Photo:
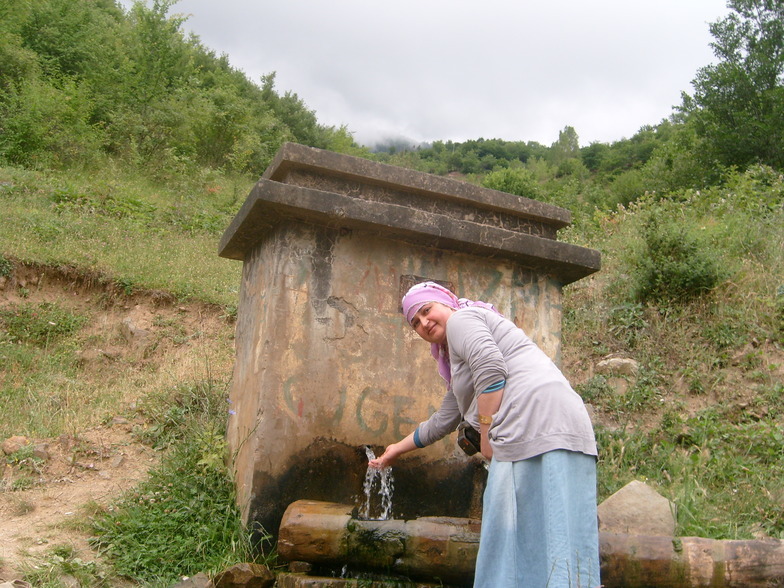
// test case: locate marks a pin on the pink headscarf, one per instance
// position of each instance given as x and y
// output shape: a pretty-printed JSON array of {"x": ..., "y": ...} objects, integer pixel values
[{"x": 419, "y": 295}]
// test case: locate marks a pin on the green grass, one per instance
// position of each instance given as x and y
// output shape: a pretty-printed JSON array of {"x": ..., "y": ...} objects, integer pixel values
[
  {"x": 183, "y": 520},
  {"x": 160, "y": 238},
  {"x": 723, "y": 473},
  {"x": 59, "y": 562},
  {"x": 701, "y": 422},
  {"x": 39, "y": 385}
]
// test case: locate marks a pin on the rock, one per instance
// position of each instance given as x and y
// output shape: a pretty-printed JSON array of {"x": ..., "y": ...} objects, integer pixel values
[
  {"x": 69, "y": 581},
  {"x": 200, "y": 580},
  {"x": 300, "y": 567},
  {"x": 132, "y": 332},
  {"x": 637, "y": 509},
  {"x": 16, "y": 584},
  {"x": 248, "y": 575},
  {"x": 618, "y": 366},
  {"x": 110, "y": 353},
  {"x": 14, "y": 444},
  {"x": 41, "y": 451}
]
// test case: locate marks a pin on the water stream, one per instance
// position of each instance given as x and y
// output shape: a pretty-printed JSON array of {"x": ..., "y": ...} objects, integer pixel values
[{"x": 385, "y": 487}]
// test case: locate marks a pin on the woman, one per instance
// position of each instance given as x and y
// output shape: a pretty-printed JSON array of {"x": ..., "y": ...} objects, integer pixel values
[{"x": 539, "y": 524}]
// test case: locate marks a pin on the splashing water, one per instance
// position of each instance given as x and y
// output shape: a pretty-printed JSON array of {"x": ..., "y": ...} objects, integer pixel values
[{"x": 386, "y": 487}]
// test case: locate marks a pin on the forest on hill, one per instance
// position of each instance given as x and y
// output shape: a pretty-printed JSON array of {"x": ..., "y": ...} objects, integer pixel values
[
  {"x": 127, "y": 146},
  {"x": 83, "y": 81}
]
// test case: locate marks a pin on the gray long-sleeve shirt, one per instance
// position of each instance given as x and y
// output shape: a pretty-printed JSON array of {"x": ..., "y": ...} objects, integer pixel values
[{"x": 539, "y": 411}]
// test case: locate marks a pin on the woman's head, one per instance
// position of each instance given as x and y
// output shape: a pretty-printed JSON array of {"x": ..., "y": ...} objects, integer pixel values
[
  {"x": 420, "y": 294},
  {"x": 426, "y": 298},
  {"x": 427, "y": 307}
]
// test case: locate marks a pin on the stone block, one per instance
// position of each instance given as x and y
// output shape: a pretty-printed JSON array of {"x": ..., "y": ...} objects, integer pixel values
[{"x": 637, "y": 509}]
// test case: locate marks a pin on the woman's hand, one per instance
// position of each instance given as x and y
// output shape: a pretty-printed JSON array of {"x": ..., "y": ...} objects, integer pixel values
[
  {"x": 394, "y": 451},
  {"x": 387, "y": 458}
]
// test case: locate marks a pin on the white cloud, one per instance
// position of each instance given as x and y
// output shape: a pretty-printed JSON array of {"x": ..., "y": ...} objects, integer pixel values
[{"x": 461, "y": 69}]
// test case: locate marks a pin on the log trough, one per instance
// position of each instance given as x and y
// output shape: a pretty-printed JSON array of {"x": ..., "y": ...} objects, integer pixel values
[{"x": 444, "y": 549}]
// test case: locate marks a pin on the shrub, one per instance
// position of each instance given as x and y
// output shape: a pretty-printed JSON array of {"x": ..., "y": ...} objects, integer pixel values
[
  {"x": 674, "y": 264},
  {"x": 519, "y": 181},
  {"x": 6, "y": 267}
]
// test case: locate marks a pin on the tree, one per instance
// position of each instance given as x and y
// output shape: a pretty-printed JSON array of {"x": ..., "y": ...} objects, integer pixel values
[
  {"x": 566, "y": 147},
  {"x": 517, "y": 181},
  {"x": 738, "y": 103}
]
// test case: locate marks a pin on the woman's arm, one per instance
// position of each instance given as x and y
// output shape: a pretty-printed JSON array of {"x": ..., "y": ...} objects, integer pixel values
[
  {"x": 471, "y": 340},
  {"x": 439, "y": 425},
  {"x": 487, "y": 405}
]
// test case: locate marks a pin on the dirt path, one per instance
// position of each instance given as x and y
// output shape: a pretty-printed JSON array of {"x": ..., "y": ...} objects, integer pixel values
[{"x": 80, "y": 475}]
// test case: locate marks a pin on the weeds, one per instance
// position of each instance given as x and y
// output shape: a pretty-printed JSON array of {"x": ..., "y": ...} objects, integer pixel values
[
  {"x": 6, "y": 267},
  {"x": 39, "y": 324},
  {"x": 143, "y": 236},
  {"x": 675, "y": 264},
  {"x": 173, "y": 415},
  {"x": 716, "y": 472},
  {"x": 627, "y": 323},
  {"x": 60, "y": 566},
  {"x": 183, "y": 519},
  {"x": 696, "y": 298}
]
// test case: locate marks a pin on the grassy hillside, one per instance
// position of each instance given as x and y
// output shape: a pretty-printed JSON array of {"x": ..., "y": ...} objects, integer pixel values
[{"x": 692, "y": 289}]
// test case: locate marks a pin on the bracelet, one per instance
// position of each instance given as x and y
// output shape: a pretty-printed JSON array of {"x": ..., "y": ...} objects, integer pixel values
[{"x": 485, "y": 420}]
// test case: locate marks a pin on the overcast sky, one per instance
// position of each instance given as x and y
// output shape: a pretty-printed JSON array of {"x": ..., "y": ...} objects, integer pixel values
[{"x": 519, "y": 70}]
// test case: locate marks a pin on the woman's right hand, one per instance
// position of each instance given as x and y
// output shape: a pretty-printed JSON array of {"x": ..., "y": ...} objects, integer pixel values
[
  {"x": 386, "y": 459},
  {"x": 394, "y": 451}
]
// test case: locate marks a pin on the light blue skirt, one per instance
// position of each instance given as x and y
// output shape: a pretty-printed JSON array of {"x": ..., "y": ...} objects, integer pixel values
[{"x": 539, "y": 524}]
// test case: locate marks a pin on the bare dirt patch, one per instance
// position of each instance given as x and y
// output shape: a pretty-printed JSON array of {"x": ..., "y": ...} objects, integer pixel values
[{"x": 78, "y": 475}]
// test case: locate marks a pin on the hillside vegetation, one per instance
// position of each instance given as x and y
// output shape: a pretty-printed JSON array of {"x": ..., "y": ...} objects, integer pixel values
[{"x": 123, "y": 165}]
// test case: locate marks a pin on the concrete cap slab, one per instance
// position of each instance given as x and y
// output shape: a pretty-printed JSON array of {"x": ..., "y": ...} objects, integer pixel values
[{"x": 343, "y": 192}]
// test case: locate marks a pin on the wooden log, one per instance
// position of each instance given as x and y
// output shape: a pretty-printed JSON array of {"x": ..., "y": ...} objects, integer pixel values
[
  {"x": 427, "y": 547},
  {"x": 445, "y": 549},
  {"x": 686, "y": 562}
]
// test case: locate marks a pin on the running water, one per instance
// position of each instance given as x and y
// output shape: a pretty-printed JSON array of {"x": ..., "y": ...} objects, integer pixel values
[{"x": 386, "y": 486}]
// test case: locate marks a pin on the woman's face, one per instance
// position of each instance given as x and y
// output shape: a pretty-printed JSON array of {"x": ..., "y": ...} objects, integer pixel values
[{"x": 430, "y": 322}]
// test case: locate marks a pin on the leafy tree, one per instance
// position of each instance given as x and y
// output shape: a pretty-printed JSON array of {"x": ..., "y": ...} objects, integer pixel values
[
  {"x": 680, "y": 162},
  {"x": 566, "y": 147},
  {"x": 69, "y": 37},
  {"x": 46, "y": 125},
  {"x": 738, "y": 104},
  {"x": 517, "y": 181},
  {"x": 593, "y": 154},
  {"x": 16, "y": 62}
]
